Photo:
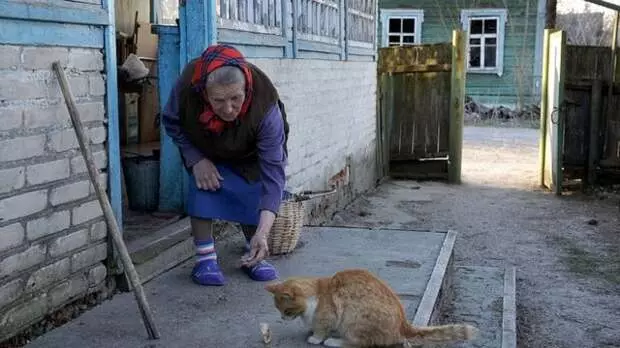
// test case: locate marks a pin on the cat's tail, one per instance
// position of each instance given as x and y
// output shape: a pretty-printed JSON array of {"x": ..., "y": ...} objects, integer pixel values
[{"x": 440, "y": 333}]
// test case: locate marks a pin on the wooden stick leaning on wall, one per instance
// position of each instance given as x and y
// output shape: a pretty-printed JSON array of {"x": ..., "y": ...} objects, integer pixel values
[{"x": 113, "y": 229}]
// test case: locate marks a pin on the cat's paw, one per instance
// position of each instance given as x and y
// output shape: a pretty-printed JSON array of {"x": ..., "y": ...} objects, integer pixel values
[
  {"x": 333, "y": 342},
  {"x": 314, "y": 340}
]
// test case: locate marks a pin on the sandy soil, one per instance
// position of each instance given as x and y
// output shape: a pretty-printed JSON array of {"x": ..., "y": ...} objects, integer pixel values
[{"x": 566, "y": 249}]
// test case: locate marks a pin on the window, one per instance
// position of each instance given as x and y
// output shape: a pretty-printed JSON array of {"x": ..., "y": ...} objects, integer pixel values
[
  {"x": 401, "y": 27},
  {"x": 485, "y": 39}
]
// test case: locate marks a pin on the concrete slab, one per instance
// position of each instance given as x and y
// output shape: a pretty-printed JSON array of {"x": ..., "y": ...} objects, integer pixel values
[
  {"x": 193, "y": 316},
  {"x": 479, "y": 298}
]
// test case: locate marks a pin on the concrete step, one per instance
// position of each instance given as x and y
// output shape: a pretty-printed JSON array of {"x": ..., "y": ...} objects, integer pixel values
[
  {"x": 484, "y": 297},
  {"x": 158, "y": 252},
  {"x": 155, "y": 253}
]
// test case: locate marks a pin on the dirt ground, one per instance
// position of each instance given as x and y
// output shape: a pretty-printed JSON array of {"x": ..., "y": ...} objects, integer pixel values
[{"x": 566, "y": 249}]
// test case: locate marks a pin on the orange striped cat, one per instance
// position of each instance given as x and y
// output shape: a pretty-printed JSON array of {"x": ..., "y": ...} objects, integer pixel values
[{"x": 362, "y": 309}]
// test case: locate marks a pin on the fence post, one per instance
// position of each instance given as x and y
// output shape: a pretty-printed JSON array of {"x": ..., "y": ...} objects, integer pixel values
[
  {"x": 285, "y": 23},
  {"x": 457, "y": 101},
  {"x": 341, "y": 37},
  {"x": 295, "y": 10},
  {"x": 544, "y": 83},
  {"x": 344, "y": 34},
  {"x": 375, "y": 46}
]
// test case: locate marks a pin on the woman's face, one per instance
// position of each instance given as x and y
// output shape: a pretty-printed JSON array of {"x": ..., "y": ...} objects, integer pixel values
[{"x": 226, "y": 100}]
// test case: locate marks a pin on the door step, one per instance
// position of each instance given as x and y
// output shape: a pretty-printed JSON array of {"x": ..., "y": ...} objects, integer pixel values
[
  {"x": 156, "y": 253},
  {"x": 484, "y": 297}
]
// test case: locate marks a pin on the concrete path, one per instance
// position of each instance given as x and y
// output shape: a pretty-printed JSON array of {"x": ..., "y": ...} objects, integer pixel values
[{"x": 189, "y": 315}]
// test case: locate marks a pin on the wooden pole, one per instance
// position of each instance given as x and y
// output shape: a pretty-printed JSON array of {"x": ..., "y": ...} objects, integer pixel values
[
  {"x": 544, "y": 104},
  {"x": 609, "y": 139},
  {"x": 457, "y": 106},
  {"x": 113, "y": 228}
]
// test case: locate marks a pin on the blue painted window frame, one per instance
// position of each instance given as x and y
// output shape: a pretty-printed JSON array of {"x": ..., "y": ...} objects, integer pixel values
[
  {"x": 416, "y": 14},
  {"x": 499, "y": 14}
]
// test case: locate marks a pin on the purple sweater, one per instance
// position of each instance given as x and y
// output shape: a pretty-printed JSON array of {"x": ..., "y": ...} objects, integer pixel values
[{"x": 270, "y": 143}]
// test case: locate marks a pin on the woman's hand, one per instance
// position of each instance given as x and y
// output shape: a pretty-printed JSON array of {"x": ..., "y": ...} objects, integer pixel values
[
  {"x": 259, "y": 249},
  {"x": 206, "y": 175}
]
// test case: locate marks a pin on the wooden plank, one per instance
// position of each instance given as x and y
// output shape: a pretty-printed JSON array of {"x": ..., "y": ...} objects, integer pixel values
[
  {"x": 560, "y": 66},
  {"x": 594, "y": 133},
  {"x": 46, "y": 12},
  {"x": 388, "y": 119},
  {"x": 440, "y": 101},
  {"x": 408, "y": 117},
  {"x": 576, "y": 118},
  {"x": 398, "y": 119},
  {"x": 542, "y": 143},
  {"x": 611, "y": 134},
  {"x": 416, "y": 68},
  {"x": 29, "y": 33},
  {"x": 457, "y": 106},
  {"x": 436, "y": 54},
  {"x": 419, "y": 170},
  {"x": 422, "y": 111}
]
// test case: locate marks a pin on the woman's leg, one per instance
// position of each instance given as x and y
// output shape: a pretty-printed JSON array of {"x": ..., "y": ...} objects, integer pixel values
[
  {"x": 262, "y": 271},
  {"x": 206, "y": 270}
]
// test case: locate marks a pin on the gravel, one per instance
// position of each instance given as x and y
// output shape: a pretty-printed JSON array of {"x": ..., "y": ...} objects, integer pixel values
[{"x": 566, "y": 249}]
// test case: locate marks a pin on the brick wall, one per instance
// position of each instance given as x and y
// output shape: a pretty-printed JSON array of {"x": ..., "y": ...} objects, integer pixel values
[
  {"x": 331, "y": 106},
  {"x": 52, "y": 234}
]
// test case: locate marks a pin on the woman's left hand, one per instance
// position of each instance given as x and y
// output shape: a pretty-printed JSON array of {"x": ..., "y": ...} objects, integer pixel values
[{"x": 258, "y": 249}]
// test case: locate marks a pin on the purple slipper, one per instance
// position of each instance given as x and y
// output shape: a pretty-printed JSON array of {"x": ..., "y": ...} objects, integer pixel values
[
  {"x": 263, "y": 271},
  {"x": 208, "y": 273}
]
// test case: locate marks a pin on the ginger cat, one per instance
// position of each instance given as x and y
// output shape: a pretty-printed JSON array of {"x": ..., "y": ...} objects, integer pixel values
[{"x": 362, "y": 309}]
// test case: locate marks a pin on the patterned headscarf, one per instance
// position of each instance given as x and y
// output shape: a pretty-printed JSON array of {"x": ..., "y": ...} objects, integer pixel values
[{"x": 214, "y": 57}]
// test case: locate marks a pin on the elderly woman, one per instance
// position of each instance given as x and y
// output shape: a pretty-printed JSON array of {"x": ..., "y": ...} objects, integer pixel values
[{"x": 226, "y": 117}]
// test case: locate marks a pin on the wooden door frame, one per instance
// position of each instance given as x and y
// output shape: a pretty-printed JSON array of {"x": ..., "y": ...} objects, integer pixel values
[
  {"x": 556, "y": 183},
  {"x": 456, "y": 120}
]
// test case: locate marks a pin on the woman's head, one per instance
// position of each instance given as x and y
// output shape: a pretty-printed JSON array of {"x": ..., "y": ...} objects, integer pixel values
[
  {"x": 222, "y": 76},
  {"x": 225, "y": 91}
]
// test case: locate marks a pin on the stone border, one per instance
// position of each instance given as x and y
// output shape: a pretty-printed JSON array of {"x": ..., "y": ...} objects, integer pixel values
[
  {"x": 509, "y": 315},
  {"x": 431, "y": 293}
]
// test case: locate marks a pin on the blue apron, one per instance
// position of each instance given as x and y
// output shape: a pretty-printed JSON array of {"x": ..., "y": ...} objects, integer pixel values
[{"x": 235, "y": 201}]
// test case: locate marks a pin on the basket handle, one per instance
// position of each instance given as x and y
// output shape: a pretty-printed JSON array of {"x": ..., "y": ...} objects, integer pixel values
[{"x": 315, "y": 194}]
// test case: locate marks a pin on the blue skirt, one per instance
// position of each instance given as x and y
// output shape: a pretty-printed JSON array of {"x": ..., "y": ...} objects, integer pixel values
[{"x": 235, "y": 201}]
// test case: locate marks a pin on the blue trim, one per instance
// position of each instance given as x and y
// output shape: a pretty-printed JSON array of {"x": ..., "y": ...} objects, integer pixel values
[
  {"x": 164, "y": 29},
  {"x": 304, "y": 45},
  {"x": 211, "y": 20},
  {"x": 386, "y": 14},
  {"x": 198, "y": 29},
  {"x": 295, "y": 12},
  {"x": 538, "y": 46},
  {"x": 46, "y": 12},
  {"x": 29, "y": 33},
  {"x": 238, "y": 37},
  {"x": 171, "y": 167},
  {"x": 114, "y": 151}
]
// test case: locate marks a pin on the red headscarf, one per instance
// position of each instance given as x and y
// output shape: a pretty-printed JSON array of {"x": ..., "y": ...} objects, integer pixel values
[{"x": 214, "y": 57}]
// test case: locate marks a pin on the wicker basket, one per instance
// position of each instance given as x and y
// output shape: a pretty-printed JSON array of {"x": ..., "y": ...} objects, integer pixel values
[{"x": 287, "y": 225}]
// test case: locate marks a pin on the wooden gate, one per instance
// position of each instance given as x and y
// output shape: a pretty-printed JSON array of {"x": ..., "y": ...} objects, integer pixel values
[
  {"x": 421, "y": 105},
  {"x": 553, "y": 111}
]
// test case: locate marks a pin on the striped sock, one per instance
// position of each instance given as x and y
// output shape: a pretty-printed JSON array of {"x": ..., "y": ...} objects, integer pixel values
[{"x": 205, "y": 250}]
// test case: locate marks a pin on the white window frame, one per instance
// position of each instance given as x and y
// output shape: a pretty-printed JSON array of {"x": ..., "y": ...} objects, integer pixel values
[
  {"x": 386, "y": 14},
  {"x": 501, "y": 15}
]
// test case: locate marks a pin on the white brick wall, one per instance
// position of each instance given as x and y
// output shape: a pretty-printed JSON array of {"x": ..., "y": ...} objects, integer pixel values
[
  {"x": 52, "y": 234},
  {"x": 331, "y": 109}
]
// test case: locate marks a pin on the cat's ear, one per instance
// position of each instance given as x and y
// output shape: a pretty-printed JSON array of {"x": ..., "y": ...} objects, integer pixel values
[{"x": 273, "y": 287}]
